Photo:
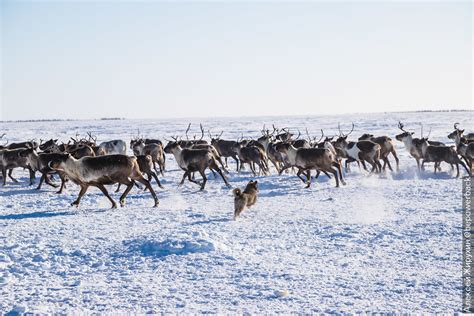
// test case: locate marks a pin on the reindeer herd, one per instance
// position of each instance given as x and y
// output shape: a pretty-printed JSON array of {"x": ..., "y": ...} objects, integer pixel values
[{"x": 86, "y": 163}]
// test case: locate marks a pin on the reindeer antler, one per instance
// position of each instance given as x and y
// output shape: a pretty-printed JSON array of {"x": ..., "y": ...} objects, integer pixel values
[
  {"x": 202, "y": 131},
  {"x": 341, "y": 133},
  {"x": 400, "y": 126},
  {"x": 322, "y": 135},
  {"x": 307, "y": 134},
  {"x": 455, "y": 127},
  {"x": 3, "y": 135},
  {"x": 187, "y": 130}
]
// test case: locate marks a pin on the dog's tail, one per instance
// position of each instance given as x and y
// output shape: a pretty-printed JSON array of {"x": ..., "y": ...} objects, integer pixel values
[{"x": 237, "y": 192}]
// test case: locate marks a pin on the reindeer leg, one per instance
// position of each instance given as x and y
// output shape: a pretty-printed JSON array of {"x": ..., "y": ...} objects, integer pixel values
[
  {"x": 4, "y": 175},
  {"x": 32, "y": 175},
  {"x": 334, "y": 172},
  {"x": 11, "y": 177},
  {"x": 347, "y": 166},
  {"x": 339, "y": 170},
  {"x": 192, "y": 180},
  {"x": 63, "y": 184},
  {"x": 104, "y": 190},
  {"x": 186, "y": 173},
  {"x": 84, "y": 188},
  {"x": 118, "y": 188},
  {"x": 129, "y": 185},
  {"x": 252, "y": 167},
  {"x": 156, "y": 179},
  {"x": 43, "y": 176},
  {"x": 379, "y": 165},
  {"x": 465, "y": 167},
  {"x": 204, "y": 179},
  {"x": 298, "y": 174},
  {"x": 387, "y": 162},
  {"x": 148, "y": 186},
  {"x": 48, "y": 181},
  {"x": 397, "y": 161},
  {"x": 237, "y": 163}
]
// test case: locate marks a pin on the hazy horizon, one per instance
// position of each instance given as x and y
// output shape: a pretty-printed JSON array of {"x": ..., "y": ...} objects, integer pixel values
[{"x": 88, "y": 60}]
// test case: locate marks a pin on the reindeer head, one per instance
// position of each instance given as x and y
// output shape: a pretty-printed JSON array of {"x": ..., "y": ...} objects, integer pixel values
[
  {"x": 457, "y": 133},
  {"x": 405, "y": 135},
  {"x": 366, "y": 136},
  {"x": 48, "y": 144},
  {"x": 172, "y": 146}
]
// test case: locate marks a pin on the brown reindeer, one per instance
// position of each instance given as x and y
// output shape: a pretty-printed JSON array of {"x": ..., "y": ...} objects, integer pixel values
[
  {"x": 251, "y": 155},
  {"x": 101, "y": 171},
  {"x": 15, "y": 158},
  {"x": 363, "y": 150},
  {"x": 307, "y": 159},
  {"x": 193, "y": 160},
  {"x": 438, "y": 154},
  {"x": 386, "y": 147}
]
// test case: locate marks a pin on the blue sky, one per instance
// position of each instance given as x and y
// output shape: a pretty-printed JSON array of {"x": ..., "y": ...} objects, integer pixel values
[{"x": 168, "y": 59}]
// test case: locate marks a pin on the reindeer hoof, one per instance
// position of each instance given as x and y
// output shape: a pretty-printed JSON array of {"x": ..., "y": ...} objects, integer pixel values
[{"x": 122, "y": 204}]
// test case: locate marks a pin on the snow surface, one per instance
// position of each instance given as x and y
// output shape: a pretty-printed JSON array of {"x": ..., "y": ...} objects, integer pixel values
[{"x": 381, "y": 243}]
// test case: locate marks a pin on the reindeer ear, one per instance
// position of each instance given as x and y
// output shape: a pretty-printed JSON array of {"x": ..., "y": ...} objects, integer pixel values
[
  {"x": 56, "y": 140},
  {"x": 412, "y": 133},
  {"x": 462, "y": 131}
]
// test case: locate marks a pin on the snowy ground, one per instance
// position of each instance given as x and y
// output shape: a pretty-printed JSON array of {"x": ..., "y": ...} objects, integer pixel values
[{"x": 381, "y": 243}]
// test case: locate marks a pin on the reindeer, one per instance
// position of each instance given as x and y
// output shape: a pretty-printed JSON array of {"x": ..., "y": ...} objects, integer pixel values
[
  {"x": 192, "y": 160},
  {"x": 364, "y": 150},
  {"x": 155, "y": 150},
  {"x": 307, "y": 159},
  {"x": 117, "y": 146},
  {"x": 464, "y": 146},
  {"x": 28, "y": 144},
  {"x": 386, "y": 147},
  {"x": 437, "y": 154},
  {"x": 40, "y": 162},
  {"x": 100, "y": 171},
  {"x": 224, "y": 148},
  {"x": 15, "y": 158},
  {"x": 412, "y": 145},
  {"x": 251, "y": 155},
  {"x": 269, "y": 144}
]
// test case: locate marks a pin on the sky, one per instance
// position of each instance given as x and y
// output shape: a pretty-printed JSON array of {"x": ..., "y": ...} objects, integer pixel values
[{"x": 87, "y": 59}]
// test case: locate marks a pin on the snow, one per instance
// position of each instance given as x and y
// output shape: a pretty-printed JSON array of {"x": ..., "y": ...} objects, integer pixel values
[{"x": 382, "y": 243}]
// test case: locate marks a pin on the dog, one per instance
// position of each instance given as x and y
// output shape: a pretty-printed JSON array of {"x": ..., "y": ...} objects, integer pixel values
[{"x": 246, "y": 198}]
